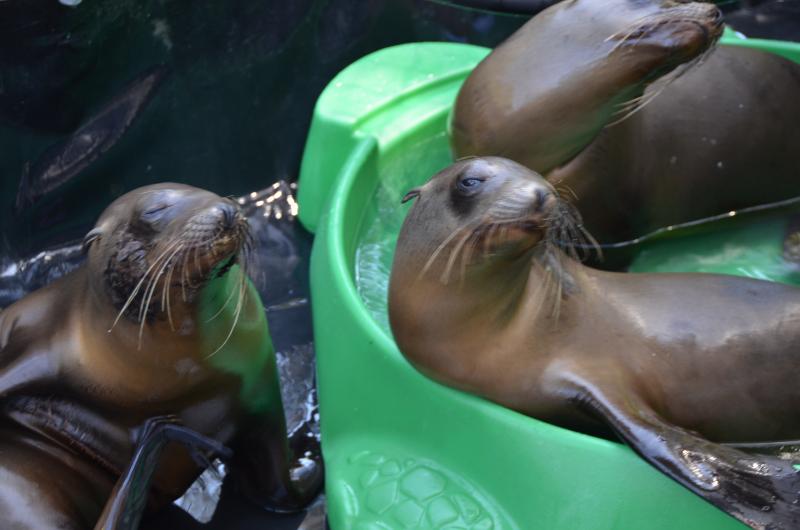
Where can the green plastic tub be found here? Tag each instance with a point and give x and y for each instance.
(401, 450)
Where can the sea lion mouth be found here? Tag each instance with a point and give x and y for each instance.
(223, 270)
(215, 243)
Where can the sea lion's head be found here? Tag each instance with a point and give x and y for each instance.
(155, 247)
(479, 212)
(581, 65)
(482, 235)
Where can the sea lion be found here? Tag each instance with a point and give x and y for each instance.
(611, 100)
(160, 320)
(485, 296)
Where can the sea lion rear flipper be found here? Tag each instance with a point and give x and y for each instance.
(761, 491)
(127, 501)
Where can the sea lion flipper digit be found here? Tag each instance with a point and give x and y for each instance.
(127, 501)
(761, 491)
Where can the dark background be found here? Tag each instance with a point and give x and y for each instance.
(238, 82)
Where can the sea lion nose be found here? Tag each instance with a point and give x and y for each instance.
(541, 198)
(229, 214)
(716, 16)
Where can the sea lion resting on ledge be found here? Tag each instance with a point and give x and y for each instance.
(609, 99)
(485, 296)
(160, 320)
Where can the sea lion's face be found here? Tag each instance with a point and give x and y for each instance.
(163, 242)
(478, 210)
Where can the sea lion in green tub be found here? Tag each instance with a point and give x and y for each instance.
(485, 296)
(630, 106)
(159, 321)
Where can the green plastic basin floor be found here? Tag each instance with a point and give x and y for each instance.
(401, 450)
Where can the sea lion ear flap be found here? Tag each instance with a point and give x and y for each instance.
(410, 195)
(93, 235)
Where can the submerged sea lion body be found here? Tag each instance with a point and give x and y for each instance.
(707, 138)
(483, 298)
(160, 320)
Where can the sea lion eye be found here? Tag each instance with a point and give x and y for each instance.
(469, 184)
(93, 235)
(155, 209)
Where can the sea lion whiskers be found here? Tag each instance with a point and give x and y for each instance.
(634, 105)
(149, 295)
(197, 247)
(466, 256)
(136, 290)
(238, 311)
(562, 189)
(185, 276)
(153, 282)
(224, 305)
(244, 256)
(455, 233)
(567, 232)
(166, 293)
(184, 270)
(445, 276)
(692, 12)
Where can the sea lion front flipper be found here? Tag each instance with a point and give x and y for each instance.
(267, 471)
(127, 501)
(19, 368)
(760, 491)
(265, 466)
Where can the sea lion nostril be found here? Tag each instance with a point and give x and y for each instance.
(228, 214)
(540, 197)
